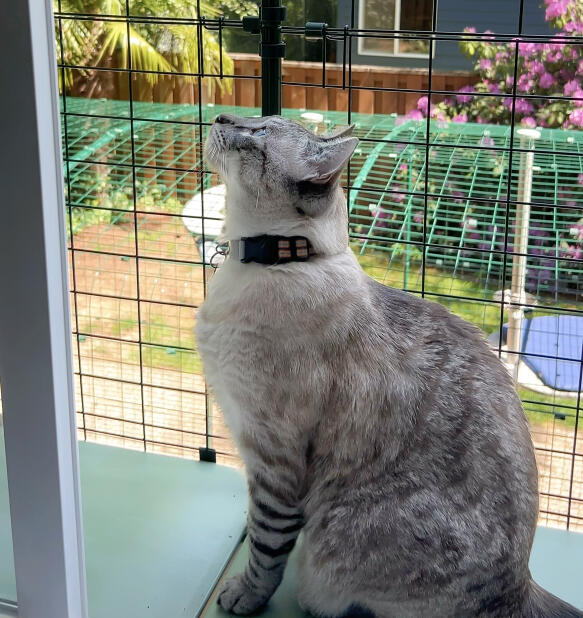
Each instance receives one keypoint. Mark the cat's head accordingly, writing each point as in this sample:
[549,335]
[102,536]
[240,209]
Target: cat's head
[280,177]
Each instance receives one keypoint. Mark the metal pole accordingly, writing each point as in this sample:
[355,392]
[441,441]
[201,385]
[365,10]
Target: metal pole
[271,50]
[519,267]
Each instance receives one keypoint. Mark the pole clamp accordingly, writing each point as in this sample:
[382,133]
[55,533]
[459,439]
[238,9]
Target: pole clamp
[315,30]
[268,24]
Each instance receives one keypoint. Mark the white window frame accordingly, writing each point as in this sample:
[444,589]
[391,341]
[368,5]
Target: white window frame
[35,333]
[362,51]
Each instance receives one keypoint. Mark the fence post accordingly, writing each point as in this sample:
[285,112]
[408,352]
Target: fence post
[519,266]
[271,50]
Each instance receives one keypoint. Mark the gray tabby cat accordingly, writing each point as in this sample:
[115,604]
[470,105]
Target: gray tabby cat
[376,422]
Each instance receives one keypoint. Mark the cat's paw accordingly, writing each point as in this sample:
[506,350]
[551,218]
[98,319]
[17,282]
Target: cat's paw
[239,597]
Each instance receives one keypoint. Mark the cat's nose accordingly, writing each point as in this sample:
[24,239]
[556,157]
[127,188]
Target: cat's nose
[223,119]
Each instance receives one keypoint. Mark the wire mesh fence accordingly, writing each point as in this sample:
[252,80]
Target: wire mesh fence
[454,211]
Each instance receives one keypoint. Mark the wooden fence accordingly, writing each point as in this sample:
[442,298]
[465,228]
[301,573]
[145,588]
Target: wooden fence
[308,94]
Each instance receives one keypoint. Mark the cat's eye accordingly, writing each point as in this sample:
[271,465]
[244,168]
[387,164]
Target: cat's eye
[258,132]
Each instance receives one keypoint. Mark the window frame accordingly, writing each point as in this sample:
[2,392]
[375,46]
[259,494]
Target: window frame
[362,50]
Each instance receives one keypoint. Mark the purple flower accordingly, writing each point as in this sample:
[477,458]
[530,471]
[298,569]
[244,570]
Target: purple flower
[536,67]
[403,167]
[510,81]
[576,118]
[556,8]
[546,80]
[580,179]
[470,30]
[566,74]
[525,83]
[485,64]
[571,87]
[523,106]
[415,114]
[573,27]
[527,49]
[423,105]
[493,87]
[578,95]
[418,217]
[487,141]
[464,98]
[529,122]
[460,118]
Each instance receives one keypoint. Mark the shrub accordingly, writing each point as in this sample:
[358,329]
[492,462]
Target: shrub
[552,68]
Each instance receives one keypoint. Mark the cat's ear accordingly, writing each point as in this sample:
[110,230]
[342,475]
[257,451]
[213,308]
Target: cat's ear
[341,132]
[325,167]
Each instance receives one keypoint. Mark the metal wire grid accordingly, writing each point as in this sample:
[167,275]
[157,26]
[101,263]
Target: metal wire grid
[152,395]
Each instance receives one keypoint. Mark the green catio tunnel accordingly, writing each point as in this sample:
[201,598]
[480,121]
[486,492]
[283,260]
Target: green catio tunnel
[462,214]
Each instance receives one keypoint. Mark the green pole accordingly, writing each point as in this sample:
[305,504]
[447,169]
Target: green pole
[271,50]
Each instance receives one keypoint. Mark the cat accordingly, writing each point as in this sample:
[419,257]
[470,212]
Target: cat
[375,422]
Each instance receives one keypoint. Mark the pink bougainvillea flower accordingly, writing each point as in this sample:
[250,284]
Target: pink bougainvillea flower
[470,29]
[527,49]
[464,98]
[571,87]
[536,67]
[525,83]
[566,74]
[423,105]
[523,106]
[485,64]
[555,9]
[546,80]
[529,122]
[576,117]
[415,114]
[578,95]
[460,118]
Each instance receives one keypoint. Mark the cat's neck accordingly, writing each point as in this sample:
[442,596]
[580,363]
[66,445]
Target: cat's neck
[327,233]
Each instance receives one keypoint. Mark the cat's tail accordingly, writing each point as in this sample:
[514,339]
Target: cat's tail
[542,604]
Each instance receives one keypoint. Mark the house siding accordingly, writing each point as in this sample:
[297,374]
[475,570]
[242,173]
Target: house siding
[499,16]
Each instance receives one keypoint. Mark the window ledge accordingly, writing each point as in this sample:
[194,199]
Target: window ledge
[159,531]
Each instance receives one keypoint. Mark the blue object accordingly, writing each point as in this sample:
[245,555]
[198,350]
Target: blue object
[546,341]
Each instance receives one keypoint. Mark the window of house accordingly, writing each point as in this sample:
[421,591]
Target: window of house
[403,15]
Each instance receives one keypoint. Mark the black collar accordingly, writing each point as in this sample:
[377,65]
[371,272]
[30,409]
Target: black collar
[268,249]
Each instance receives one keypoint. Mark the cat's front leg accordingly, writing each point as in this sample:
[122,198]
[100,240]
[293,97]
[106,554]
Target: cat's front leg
[274,522]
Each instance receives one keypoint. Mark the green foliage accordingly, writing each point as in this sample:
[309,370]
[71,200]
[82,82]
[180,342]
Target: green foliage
[153,47]
[546,68]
